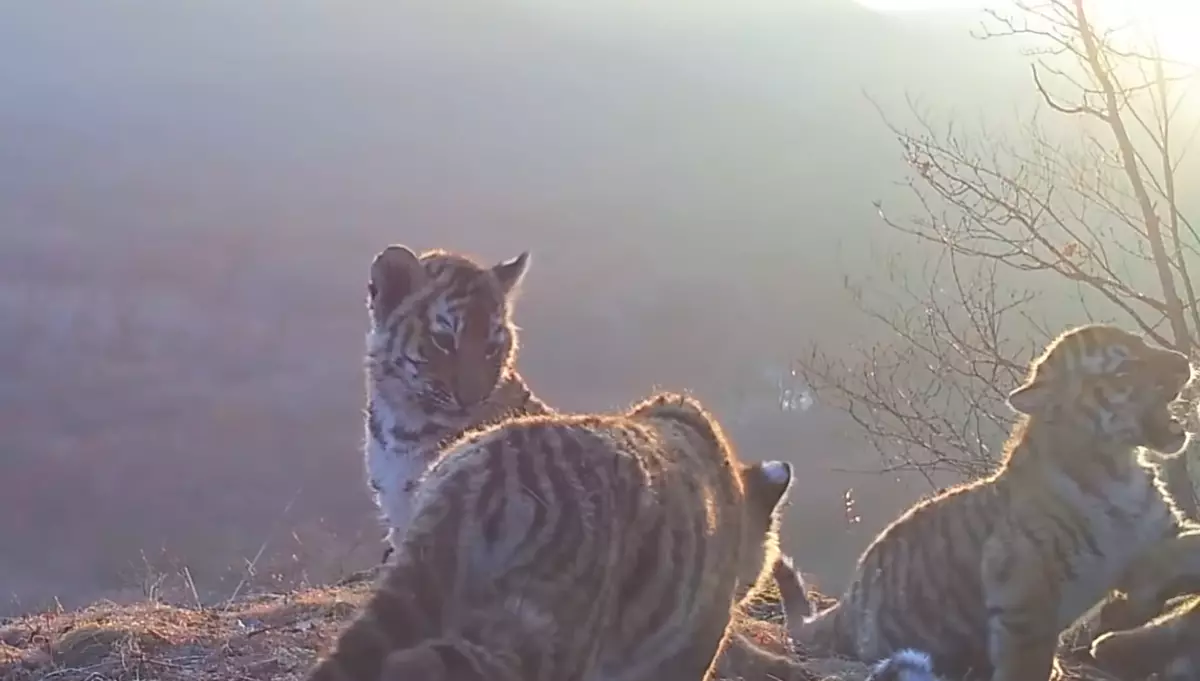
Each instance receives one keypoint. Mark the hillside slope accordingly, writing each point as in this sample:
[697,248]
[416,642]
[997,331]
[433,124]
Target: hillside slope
[265,637]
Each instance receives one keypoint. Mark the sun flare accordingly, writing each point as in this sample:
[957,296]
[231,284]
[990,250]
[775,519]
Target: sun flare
[1175,24]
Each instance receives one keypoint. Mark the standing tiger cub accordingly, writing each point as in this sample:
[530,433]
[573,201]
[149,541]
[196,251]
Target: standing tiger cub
[572,548]
[441,355]
[984,577]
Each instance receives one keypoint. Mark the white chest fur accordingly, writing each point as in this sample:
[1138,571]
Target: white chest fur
[1125,520]
[394,468]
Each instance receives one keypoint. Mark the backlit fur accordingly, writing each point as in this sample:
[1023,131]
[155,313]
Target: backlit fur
[760,649]
[984,577]
[1168,645]
[440,360]
[581,547]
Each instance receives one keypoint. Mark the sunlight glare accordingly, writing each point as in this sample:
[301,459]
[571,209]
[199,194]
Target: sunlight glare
[1176,23]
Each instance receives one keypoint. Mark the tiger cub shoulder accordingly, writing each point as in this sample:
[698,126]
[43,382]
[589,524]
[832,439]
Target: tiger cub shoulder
[572,547]
[440,360]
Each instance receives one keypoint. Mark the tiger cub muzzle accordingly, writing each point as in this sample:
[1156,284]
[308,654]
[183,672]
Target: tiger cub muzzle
[1170,373]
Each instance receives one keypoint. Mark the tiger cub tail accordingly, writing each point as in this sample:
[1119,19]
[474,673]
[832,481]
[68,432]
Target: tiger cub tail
[814,633]
[398,634]
[792,593]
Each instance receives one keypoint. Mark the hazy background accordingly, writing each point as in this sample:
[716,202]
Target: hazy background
[191,192]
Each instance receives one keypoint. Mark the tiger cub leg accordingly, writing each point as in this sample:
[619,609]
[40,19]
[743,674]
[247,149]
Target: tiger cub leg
[1171,568]
[1022,601]
[699,660]
[743,658]
[445,659]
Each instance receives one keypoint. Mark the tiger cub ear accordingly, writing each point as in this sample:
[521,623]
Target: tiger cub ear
[1033,397]
[395,273]
[510,272]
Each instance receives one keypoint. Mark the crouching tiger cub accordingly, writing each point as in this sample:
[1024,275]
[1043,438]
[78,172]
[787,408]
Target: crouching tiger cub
[984,577]
[441,355]
[581,547]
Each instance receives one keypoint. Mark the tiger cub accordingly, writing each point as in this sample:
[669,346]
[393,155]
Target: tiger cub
[440,360]
[1168,645]
[564,547]
[985,576]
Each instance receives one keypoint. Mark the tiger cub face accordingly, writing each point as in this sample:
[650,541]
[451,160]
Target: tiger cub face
[1168,645]
[441,337]
[1110,383]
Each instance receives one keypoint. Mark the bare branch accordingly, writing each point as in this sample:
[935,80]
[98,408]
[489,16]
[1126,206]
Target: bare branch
[1096,221]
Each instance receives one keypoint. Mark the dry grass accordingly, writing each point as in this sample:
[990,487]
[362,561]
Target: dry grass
[266,637]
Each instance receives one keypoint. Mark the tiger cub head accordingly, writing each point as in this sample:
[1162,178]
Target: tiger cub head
[442,338]
[765,485]
[1168,645]
[1111,383]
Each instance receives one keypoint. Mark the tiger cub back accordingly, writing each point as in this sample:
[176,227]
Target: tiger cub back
[1168,645]
[984,577]
[572,547]
[441,360]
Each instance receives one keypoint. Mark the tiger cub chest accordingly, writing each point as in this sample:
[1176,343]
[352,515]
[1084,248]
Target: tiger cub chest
[1116,523]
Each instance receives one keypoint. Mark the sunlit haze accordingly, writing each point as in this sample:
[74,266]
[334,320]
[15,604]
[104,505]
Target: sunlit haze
[1173,22]
[928,5]
[192,194]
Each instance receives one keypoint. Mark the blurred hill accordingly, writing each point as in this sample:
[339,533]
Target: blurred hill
[190,196]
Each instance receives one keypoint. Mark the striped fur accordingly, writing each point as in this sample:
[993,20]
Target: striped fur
[572,547]
[985,576]
[441,355]
[1168,645]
